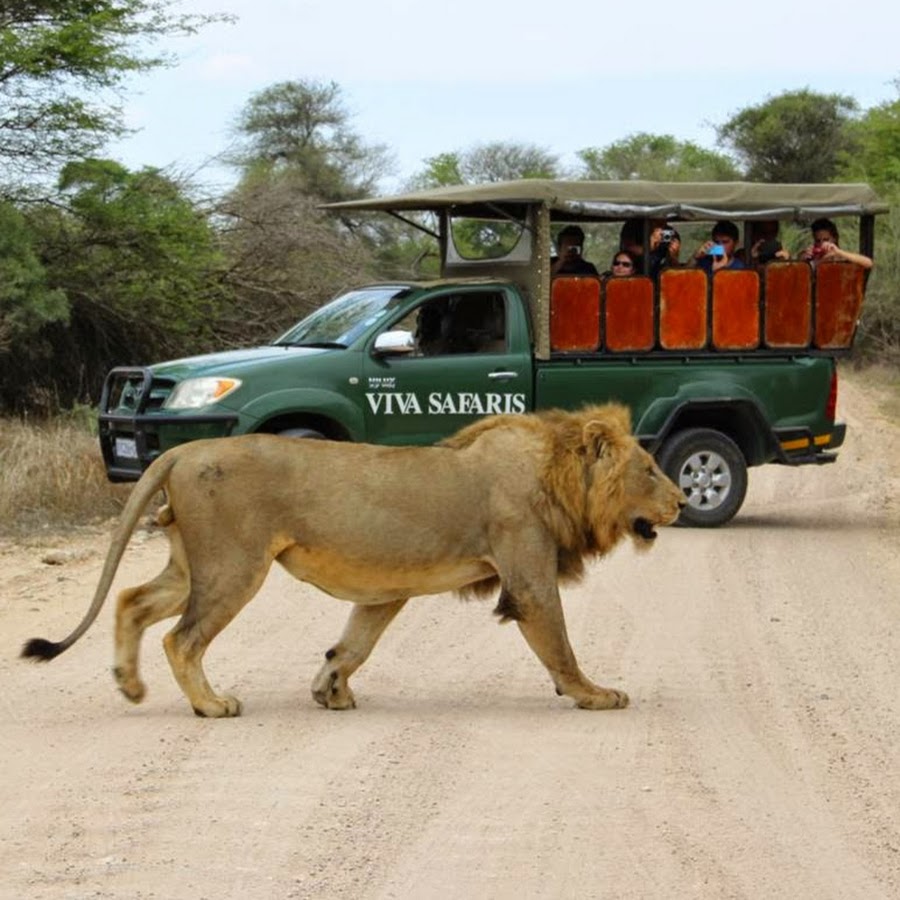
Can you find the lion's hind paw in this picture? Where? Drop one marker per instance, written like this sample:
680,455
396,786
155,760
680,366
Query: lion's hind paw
332,691
130,685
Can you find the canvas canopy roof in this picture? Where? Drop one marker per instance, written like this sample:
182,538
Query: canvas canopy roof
599,200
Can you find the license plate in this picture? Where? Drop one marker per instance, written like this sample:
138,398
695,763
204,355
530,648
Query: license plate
126,448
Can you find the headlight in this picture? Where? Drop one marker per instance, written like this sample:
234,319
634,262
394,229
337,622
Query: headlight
196,392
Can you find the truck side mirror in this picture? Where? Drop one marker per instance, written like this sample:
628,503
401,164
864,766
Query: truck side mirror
394,342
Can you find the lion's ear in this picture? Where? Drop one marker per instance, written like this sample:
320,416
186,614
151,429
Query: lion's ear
604,431
595,436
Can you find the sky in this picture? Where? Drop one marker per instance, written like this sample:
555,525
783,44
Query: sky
425,78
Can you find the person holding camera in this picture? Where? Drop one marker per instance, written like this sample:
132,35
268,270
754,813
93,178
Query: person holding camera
825,246
665,248
764,244
570,243
720,251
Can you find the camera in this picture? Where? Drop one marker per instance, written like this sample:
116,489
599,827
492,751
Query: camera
666,235
573,251
716,250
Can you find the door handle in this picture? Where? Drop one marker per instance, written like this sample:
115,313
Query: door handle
502,375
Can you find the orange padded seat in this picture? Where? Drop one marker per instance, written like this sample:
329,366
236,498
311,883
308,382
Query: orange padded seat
788,304
629,313
735,309
683,309
839,297
575,313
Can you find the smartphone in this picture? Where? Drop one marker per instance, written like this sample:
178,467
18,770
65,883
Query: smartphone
716,250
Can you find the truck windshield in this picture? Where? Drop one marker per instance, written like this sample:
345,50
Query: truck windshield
340,322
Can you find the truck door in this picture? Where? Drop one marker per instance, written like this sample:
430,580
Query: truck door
471,357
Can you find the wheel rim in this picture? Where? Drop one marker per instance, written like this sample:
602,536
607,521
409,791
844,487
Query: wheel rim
705,479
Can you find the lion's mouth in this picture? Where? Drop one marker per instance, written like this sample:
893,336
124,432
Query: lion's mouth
643,528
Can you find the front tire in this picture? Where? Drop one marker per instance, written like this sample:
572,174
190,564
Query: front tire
308,433
711,470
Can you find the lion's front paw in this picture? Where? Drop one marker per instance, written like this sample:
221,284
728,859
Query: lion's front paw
603,699
330,689
224,707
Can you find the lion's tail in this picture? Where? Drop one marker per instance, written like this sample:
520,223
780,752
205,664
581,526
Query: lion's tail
151,481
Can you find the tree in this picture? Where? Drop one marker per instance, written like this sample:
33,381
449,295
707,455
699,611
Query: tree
304,126
796,137
876,159
137,269
495,161
656,157
61,63
135,249
876,146
491,162
26,301
285,256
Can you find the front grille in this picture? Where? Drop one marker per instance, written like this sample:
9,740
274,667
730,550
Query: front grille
129,392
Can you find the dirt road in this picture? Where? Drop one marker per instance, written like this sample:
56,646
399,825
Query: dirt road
760,757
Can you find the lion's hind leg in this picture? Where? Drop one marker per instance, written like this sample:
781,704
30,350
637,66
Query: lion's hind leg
142,606
366,624
217,595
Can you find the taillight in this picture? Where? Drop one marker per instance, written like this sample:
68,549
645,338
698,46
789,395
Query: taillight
831,405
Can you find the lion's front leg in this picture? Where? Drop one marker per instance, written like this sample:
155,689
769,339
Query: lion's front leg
366,624
541,621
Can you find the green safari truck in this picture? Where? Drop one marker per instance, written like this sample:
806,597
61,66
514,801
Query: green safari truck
722,371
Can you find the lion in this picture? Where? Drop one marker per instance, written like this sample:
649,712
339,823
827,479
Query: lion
517,502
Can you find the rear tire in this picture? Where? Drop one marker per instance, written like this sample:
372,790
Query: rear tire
711,470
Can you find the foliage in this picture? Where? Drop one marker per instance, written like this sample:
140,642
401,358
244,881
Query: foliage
876,146
140,272
26,300
286,257
491,162
304,126
135,248
796,137
876,159
879,327
61,63
656,157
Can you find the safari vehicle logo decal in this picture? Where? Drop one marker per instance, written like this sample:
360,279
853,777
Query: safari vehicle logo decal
393,403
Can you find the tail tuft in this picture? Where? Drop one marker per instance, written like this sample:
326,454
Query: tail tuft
42,650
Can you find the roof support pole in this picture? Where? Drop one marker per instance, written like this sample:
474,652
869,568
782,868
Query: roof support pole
540,290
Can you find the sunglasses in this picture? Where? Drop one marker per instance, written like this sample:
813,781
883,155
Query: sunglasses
623,262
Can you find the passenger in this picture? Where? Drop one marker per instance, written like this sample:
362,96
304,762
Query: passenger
825,246
764,243
631,239
622,264
719,252
665,247
570,243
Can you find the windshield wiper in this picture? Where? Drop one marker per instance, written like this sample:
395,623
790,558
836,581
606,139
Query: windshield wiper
321,345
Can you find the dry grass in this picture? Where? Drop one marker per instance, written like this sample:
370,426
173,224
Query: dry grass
52,477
